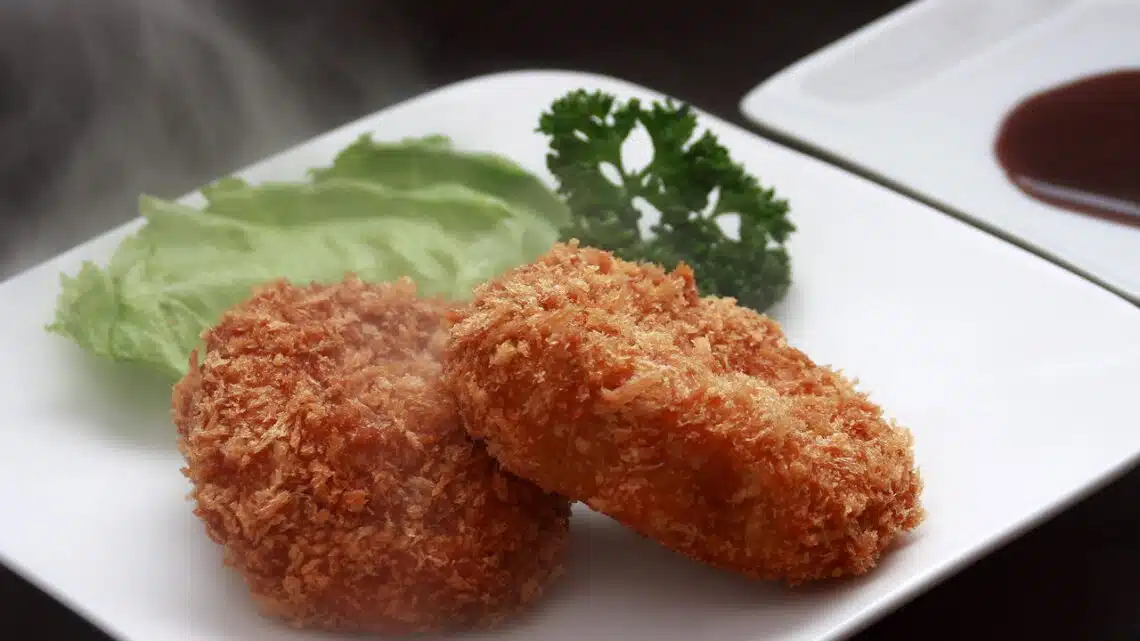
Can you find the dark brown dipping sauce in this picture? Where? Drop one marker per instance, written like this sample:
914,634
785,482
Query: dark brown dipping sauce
1077,146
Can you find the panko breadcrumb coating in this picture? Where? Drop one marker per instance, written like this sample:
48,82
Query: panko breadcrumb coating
328,459
688,419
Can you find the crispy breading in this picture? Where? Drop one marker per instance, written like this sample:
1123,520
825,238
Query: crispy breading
328,459
689,419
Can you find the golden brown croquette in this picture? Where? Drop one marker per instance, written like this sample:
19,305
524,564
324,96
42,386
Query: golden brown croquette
689,419
328,459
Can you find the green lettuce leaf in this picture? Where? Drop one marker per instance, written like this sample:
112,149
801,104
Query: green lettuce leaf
419,162
446,219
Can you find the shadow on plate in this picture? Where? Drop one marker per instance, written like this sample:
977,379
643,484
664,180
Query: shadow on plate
125,403
194,584
621,585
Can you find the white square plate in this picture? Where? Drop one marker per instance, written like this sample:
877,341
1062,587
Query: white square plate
917,98
1017,377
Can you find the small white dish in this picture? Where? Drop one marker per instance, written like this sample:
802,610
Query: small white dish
917,98
1016,376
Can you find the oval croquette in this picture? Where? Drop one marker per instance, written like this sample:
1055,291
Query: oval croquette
688,419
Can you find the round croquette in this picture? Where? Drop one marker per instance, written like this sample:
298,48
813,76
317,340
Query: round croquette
328,460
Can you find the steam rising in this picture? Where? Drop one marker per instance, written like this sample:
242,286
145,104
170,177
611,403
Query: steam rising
103,99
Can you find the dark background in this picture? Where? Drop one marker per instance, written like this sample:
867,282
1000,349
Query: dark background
1076,577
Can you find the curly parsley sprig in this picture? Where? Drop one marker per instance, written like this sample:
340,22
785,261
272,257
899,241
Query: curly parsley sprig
691,180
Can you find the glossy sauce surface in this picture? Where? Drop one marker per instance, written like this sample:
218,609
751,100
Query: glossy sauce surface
1077,146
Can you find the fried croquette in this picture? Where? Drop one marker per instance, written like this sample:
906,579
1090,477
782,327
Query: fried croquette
688,419
327,458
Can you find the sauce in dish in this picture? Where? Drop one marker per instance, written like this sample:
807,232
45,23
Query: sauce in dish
1077,146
